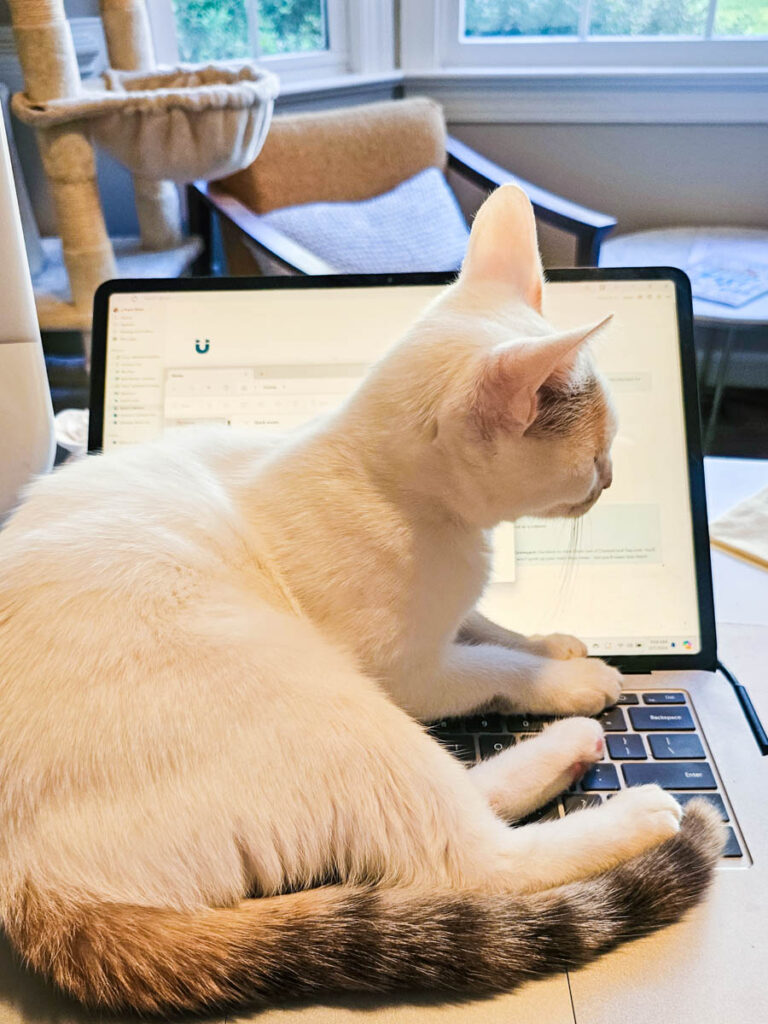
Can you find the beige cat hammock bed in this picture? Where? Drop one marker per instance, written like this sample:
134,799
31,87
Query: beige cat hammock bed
167,125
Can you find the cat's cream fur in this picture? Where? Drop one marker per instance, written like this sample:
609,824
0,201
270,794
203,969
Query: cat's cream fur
214,651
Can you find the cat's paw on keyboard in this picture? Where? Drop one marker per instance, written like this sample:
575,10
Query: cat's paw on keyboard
579,742
557,645
579,686
648,815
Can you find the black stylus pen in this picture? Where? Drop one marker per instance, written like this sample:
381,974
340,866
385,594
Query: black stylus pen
758,730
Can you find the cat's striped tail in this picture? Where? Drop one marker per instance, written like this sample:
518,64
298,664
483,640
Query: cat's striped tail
367,940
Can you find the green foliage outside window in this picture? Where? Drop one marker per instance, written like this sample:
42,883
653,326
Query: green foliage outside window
614,17
742,18
211,29
522,18
218,29
649,17
291,26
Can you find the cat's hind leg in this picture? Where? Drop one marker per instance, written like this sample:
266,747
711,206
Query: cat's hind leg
527,776
591,841
326,775
523,778
426,819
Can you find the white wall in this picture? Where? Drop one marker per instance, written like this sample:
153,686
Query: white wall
646,175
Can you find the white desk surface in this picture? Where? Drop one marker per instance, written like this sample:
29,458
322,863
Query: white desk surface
710,967
741,589
631,985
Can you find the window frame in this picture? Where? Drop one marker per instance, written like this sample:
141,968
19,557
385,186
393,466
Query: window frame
326,63
399,45
360,35
452,51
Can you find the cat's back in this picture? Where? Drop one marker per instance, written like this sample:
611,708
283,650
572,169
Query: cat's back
160,502
110,571
105,558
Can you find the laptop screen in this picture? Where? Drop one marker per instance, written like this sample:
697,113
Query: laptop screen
273,355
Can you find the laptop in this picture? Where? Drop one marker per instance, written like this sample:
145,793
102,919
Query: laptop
632,578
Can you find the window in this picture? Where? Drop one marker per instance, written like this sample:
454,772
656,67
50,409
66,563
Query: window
701,19
599,33
218,29
589,61
295,38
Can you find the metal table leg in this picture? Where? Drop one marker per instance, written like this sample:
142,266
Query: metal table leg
717,398
703,369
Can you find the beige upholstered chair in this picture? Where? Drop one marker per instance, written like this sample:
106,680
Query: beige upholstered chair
353,154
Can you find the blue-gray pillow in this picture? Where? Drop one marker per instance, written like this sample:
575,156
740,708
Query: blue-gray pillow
416,226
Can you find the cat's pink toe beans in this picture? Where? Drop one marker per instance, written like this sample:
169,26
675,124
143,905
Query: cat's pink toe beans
580,738
579,770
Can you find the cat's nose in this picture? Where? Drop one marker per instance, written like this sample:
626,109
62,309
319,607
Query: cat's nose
605,471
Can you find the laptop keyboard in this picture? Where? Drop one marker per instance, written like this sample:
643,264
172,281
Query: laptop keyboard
650,737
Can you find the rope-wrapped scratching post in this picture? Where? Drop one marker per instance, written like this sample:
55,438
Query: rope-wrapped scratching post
45,48
129,38
129,41
47,56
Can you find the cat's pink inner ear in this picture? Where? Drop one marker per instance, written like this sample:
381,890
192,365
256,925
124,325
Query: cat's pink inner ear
503,248
506,395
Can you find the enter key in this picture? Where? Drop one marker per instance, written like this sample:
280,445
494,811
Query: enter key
678,775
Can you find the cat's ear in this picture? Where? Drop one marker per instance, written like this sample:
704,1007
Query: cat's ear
503,248
506,394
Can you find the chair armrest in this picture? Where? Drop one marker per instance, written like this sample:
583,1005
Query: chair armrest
589,226
294,257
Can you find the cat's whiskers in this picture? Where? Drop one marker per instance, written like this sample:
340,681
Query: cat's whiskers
567,575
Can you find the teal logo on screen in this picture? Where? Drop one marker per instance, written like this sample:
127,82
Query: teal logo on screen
202,346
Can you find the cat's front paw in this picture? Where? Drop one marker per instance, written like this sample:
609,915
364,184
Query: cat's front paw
557,645
579,743
579,686
647,815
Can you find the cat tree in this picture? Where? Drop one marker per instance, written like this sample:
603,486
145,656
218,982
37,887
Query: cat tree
170,125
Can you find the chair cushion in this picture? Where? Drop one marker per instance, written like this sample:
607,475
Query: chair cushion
416,226
342,155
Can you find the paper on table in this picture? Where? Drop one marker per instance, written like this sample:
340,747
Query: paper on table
724,274
730,284
743,530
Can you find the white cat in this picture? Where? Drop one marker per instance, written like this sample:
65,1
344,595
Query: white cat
214,651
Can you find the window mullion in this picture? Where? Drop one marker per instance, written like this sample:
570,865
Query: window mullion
252,14
585,16
419,31
710,25
371,35
165,37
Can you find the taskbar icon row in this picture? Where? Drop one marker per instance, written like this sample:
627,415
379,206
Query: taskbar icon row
607,646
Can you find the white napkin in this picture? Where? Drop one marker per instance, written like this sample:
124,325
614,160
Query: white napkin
743,530
71,428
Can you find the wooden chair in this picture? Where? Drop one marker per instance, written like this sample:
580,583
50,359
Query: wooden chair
350,154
